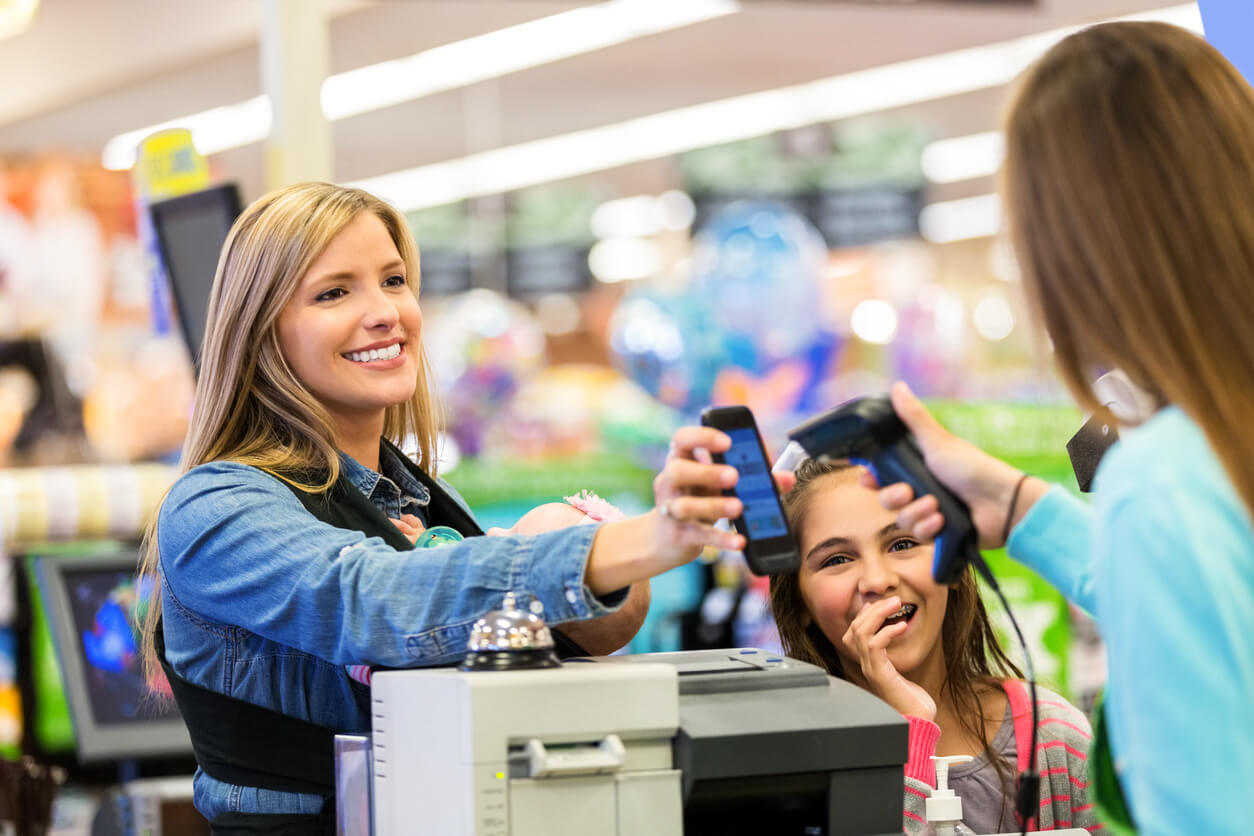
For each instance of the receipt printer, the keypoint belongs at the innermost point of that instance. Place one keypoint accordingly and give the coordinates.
(568, 751)
(735, 741)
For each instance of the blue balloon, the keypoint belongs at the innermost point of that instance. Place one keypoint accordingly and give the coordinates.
(667, 344)
(753, 304)
(756, 267)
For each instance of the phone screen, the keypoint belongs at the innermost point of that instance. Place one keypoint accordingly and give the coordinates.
(756, 490)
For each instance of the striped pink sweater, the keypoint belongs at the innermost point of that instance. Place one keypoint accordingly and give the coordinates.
(1062, 744)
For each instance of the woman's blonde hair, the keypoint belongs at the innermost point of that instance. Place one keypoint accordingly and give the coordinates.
(1129, 190)
(249, 406)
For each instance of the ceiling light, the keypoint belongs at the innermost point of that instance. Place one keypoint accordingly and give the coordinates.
(214, 130)
(633, 217)
(874, 321)
(16, 16)
(958, 220)
(558, 314)
(509, 50)
(678, 210)
(963, 157)
(992, 318)
(726, 120)
(441, 68)
(624, 259)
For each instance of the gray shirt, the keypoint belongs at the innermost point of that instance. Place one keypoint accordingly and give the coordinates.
(978, 784)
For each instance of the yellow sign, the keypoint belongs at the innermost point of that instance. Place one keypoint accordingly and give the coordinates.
(168, 165)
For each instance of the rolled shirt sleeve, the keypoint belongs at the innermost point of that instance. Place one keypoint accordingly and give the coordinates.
(237, 547)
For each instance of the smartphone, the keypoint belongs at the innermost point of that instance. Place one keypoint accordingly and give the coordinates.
(771, 548)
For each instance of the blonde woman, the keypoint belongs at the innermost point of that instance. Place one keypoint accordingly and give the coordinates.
(284, 549)
(1129, 190)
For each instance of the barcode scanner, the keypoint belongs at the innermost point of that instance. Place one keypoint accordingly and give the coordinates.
(868, 432)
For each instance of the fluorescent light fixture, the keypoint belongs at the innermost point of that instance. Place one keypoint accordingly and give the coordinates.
(16, 16)
(441, 68)
(963, 157)
(741, 117)
(220, 129)
(636, 217)
(510, 50)
(623, 259)
(643, 215)
(958, 220)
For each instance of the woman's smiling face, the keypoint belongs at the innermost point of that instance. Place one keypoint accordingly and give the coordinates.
(351, 331)
(853, 553)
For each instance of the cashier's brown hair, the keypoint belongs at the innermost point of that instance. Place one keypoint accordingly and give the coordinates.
(250, 407)
(1129, 191)
(974, 659)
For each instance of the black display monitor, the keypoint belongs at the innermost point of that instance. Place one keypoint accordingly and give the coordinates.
(190, 232)
(94, 604)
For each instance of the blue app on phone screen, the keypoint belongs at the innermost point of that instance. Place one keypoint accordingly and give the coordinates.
(756, 488)
(770, 547)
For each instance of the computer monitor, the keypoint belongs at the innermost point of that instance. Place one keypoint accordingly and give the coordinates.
(94, 604)
(190, 232)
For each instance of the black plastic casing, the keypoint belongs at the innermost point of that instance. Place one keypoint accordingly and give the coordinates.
(868, 432)
(765, 556)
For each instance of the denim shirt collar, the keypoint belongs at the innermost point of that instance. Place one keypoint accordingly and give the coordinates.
(392, 489)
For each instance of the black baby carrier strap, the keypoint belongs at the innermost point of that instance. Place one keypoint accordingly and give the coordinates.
(247, 745)
(346, 507)
(244, 744)
(343, 506)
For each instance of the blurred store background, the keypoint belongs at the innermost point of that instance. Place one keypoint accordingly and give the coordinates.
(626, 210)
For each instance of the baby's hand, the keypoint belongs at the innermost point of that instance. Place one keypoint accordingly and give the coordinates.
(410, 526)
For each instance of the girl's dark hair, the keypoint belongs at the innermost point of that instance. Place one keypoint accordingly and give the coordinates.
(974, 659)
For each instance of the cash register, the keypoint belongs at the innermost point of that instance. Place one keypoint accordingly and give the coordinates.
(733, 741)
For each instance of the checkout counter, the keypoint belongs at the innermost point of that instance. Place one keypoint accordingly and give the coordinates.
(726, 742)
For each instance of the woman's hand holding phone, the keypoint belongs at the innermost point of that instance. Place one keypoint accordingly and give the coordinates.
(689, 499)
(688, 494)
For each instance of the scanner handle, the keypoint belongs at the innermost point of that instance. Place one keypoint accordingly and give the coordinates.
(957, 544)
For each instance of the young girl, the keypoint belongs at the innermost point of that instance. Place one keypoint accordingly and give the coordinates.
(278, 550)
(864, 606)
(1129, 193)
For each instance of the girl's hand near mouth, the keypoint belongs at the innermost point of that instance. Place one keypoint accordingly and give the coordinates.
(869, 638)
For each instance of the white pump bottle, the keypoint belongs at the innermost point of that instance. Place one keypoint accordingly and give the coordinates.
(943, 807)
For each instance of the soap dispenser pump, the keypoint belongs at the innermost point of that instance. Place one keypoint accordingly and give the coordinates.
(944, 807)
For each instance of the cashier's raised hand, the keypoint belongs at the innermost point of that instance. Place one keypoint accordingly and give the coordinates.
(985, 483)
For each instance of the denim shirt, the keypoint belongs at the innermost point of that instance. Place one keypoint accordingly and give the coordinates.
(264, 602)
